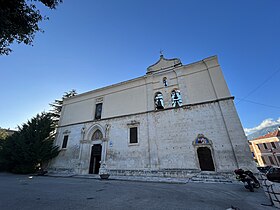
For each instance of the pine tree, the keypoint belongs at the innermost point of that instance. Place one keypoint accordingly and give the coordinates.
(57, 105)
(31, 146)
(3, 136)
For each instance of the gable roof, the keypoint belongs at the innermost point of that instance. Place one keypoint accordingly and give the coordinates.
(275, 133)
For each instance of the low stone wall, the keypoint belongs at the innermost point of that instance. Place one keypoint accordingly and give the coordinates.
(271, 189)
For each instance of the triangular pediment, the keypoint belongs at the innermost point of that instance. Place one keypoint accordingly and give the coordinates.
(163, 64)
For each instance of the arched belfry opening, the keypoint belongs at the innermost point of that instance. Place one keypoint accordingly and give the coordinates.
(176, 99)
(159, 101)
(204, 153)
(96, 152)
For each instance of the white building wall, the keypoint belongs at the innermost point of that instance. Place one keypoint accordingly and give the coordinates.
(165, 136)
(137, 95)
(125, 102)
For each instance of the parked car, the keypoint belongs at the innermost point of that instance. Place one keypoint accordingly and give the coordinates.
(273, 174)
(264, 169)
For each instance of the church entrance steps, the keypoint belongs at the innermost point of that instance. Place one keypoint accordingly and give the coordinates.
(213, 177)
(201, 177)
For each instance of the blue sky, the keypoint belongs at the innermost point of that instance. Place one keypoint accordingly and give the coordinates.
(97, 43)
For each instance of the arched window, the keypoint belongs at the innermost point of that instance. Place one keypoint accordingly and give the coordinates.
(97, 135)
(176, 98)
(164, 81)
(159, 101)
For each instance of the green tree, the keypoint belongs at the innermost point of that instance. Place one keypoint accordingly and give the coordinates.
(31, 146)
(3, 134)
(19, 21)
(57, 105)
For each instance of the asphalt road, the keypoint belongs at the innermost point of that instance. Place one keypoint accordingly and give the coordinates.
(19, 192)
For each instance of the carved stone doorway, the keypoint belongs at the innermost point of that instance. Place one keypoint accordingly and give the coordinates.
(95, 159)
(205, 159)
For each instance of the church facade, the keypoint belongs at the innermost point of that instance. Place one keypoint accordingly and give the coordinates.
(174, 121)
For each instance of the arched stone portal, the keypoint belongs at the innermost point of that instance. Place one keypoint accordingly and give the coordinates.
(96, 152)
(93, 149)
(204, 149)
(205, 159)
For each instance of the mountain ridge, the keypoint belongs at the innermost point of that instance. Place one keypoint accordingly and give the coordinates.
(263, 131)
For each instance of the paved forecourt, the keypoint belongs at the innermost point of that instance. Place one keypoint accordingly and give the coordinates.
(57, 193)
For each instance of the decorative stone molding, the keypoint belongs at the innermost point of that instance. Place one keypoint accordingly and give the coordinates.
(92, 129)
(85, 141)
(99, 100)
(163, 64)
(66, 132)
(83, 131)
(107, 129)
(202, 140)
(133, 123)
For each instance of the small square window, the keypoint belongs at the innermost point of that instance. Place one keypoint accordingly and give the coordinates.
(133, 136)
(273, 145)
(65, 140)
(264, 145)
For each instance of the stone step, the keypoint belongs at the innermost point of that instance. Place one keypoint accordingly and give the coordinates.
(211, 177)
(210, 180)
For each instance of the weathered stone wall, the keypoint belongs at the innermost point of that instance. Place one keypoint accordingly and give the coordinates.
(165, 141)
(68, 160)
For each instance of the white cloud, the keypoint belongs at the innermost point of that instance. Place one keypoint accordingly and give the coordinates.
(266, 123)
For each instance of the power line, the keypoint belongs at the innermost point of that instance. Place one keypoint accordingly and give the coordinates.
(253, 102)
(258, 87)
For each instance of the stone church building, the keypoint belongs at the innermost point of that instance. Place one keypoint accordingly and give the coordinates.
(173, 121)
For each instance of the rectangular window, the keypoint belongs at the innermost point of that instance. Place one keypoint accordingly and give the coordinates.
(273, 145)
(133, 137)
(264, 145)
(258, 146)
(263, 159)
(271, 160)
(98, 110)
(65, 140)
